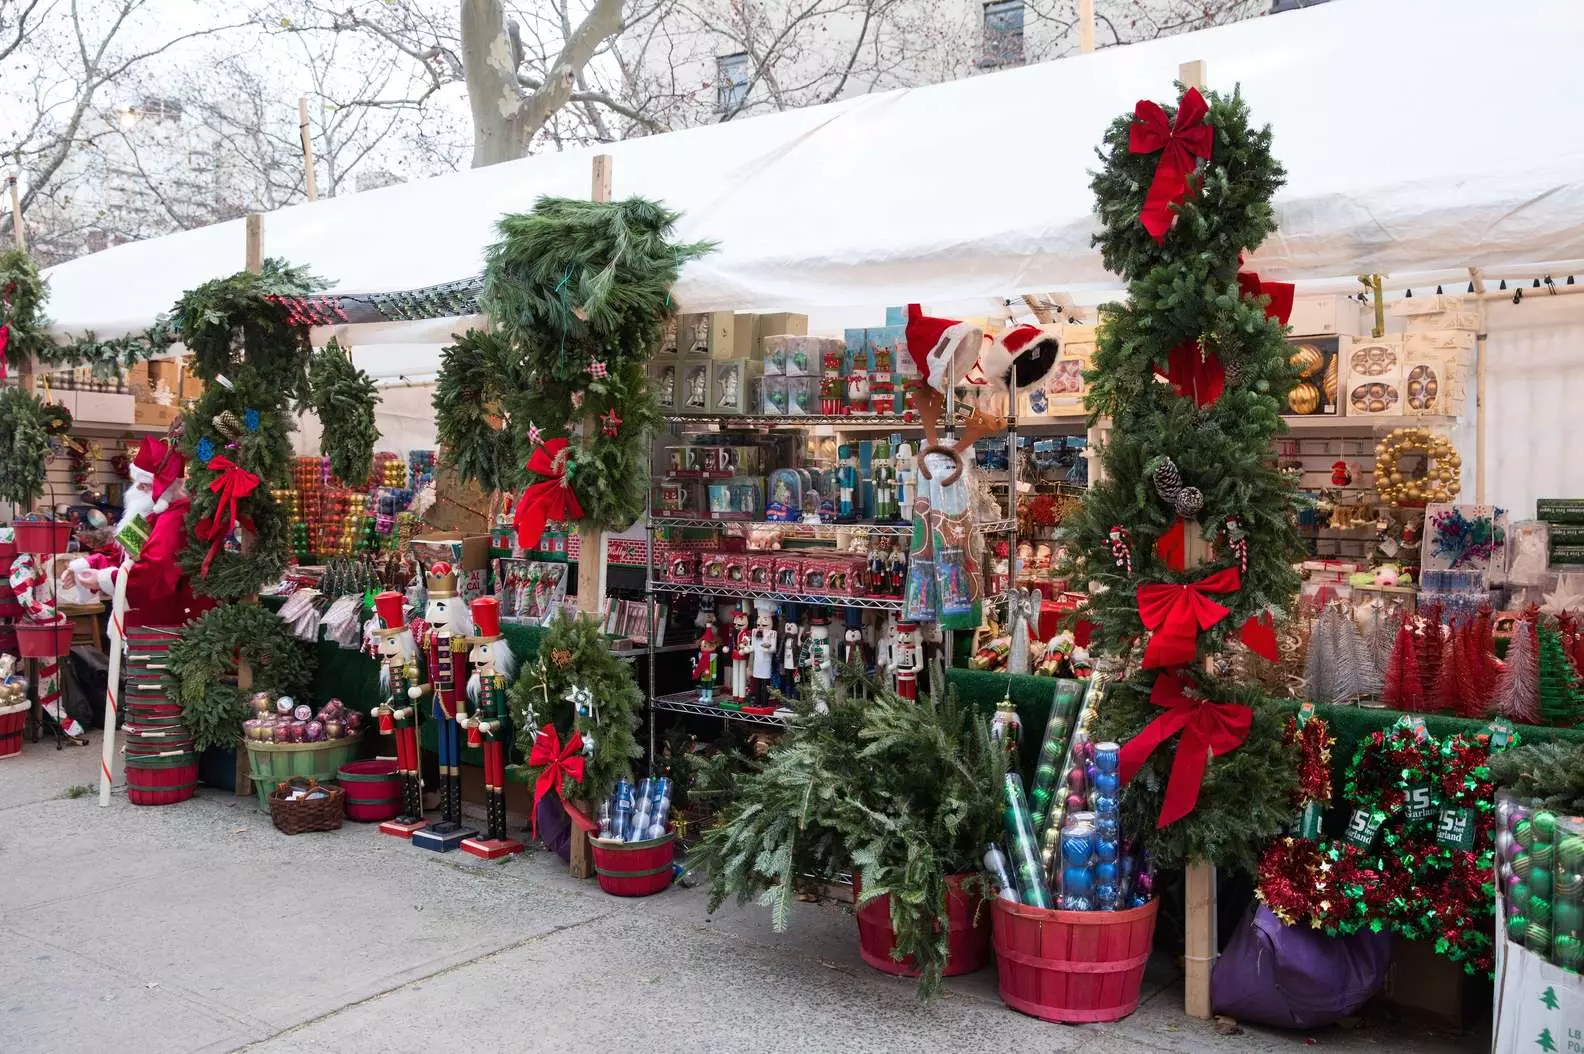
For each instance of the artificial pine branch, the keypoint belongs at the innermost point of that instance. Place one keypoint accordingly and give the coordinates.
(1550, 773)
(1560, 702)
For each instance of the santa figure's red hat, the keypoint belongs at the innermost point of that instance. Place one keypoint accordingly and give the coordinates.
(160, 467)
(388, 606)
(1026, 353)
(486, 620)
(944, 349)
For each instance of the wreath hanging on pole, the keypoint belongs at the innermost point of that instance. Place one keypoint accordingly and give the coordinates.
(344, 398)
(205, 656)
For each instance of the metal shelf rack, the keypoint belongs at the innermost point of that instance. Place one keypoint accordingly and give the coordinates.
(688, 703)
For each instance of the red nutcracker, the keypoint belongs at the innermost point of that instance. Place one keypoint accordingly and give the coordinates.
(398, 712)
(706, 669)
(446, 648)
(741, 652)
(831, 384)
(489, 725)
(907, 658)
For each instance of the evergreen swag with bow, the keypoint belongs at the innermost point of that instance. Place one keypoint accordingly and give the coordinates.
(577, 293)
(1181, 195)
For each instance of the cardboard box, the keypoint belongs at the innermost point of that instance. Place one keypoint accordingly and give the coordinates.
(103, 408)
(153, 414)
(729, 384)
(663, 375)
(694, 387)
(745, 336)
(1440, 341)
(1418, 306)
(1468, 320)
(1535, 1001)
(1373, 377)
(464, 552)
(1435, 383)
(137, 380)
(192, 387)
(780, 323)
(1063, 390)
(722, 335)
(773, 394)
(692, 335)
(1326, 316)
(1318, 362)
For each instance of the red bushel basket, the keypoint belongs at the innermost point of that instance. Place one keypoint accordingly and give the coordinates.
(1072, 966)
(12, 718)
(45, 537)
(967, 932)
(40, 641)
(161, 781)
(373, 790)
(634, 869)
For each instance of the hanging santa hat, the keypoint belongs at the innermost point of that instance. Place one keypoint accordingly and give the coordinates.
(942, 348)
(158, 466)
(1025, 353)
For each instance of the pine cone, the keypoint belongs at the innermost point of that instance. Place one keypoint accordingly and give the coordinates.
(1168, 481)
(1189, 503)
(228, 425)
(1234, 374)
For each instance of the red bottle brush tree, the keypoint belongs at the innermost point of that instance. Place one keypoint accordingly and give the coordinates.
(1404, 689)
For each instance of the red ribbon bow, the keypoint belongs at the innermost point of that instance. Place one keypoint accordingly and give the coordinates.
(233, 484)
(1281, 294)
(1177, 612)
(5, 338)
(549, 499)
(1208, 728)
(1181, 144)
(559, 764)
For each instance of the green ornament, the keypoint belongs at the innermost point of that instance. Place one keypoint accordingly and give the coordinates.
(1537, 938)
(1570, 853)
(1540, 912)
(1543, 854)
(1517, 926)
(1569, 952)
(1545, 826)
(1520, 894)
(1570, 885)
(1524, 833)
(1540, 883)
(1522, 864)
(1567, 916)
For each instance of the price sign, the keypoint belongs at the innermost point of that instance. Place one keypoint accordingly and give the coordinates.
(1362, 828)
(1455, 829)
(1501, 733)
(1309, 822)
(1421, 804)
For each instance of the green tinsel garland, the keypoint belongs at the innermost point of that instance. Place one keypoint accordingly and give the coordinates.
(343, 399)
(577, 293)
(1184, 291)
(575, 653)
(24, 437)
(206, 655)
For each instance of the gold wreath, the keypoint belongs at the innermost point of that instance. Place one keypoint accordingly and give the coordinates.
(1441, 483)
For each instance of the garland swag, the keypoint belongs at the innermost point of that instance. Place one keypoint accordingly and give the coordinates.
(1190, 457)
(577, 293)
(205, 655)
(23, 293)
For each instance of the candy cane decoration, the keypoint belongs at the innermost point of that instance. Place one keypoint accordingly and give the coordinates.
(118, 606)
(29, 583)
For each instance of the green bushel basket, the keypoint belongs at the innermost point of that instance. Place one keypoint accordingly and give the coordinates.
(272, 763)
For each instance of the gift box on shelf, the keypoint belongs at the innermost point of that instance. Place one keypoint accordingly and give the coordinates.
(1062, 390)
(680, 567)
(803, 396)
(663, 379)
(1373, 377)
(760, 570)
(1317, 363)
(772, 391)
(1326, 316)
(693, 393)
(1435, 380)
(770, 329)
(729, 385)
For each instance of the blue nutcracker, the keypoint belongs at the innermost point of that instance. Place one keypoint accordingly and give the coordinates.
(848, 496)
(446, 646)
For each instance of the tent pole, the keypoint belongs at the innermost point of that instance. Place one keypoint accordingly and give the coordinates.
(307, 147)
(1086, 26)
(1478, 280)
(16, 212)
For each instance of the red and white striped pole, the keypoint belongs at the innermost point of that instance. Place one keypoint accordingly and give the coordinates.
(107, 757)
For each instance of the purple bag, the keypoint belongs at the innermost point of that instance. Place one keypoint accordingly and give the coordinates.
(1296, 977)
(555, 826)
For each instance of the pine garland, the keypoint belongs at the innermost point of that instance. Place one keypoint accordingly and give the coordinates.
(575, 653)
(24, 437)
(343, 399)
(205, 657)
(1184, 292)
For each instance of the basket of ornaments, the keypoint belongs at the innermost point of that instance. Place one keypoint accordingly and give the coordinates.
(287, 739)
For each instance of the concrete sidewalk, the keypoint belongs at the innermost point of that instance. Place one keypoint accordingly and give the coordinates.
(199, 927)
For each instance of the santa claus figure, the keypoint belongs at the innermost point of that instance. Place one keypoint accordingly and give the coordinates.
(446, 647)
(158, 593)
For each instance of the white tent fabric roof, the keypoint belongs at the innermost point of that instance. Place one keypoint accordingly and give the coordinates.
(1418, 135)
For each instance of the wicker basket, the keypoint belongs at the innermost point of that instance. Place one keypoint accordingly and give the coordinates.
(269, 763)
(305, 814)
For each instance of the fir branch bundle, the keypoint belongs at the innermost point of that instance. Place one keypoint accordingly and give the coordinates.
(343, 399)
(1550, 773)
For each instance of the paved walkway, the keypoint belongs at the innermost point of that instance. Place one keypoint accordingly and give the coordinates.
(199, 927)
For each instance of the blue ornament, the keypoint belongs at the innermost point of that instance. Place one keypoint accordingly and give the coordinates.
(1106, 850)
(1077, 904)
(1108, 757)
(1038, 402)
(1107, 783)
(251, 419)
(206, 450)
(1105, 805)
(1076, 882)
(1076, 848)
(1107, 826)
(1105, 875)
(1106, 896)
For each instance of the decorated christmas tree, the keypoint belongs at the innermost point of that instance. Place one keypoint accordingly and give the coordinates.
(1403, 690)
(1560, 702)
(1518, 691)
(1187, 534)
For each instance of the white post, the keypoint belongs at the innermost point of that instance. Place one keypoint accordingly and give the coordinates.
(1086, 26)
(110, 762)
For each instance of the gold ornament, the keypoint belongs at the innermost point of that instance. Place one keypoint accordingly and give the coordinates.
(1303, 399)
(1441, 479)
(1330, 384)
(1308, 360)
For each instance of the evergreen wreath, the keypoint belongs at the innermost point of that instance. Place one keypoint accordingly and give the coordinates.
(238, 329)
(23, 292)
(24, 436)
(1184, 297)
(204, 659)
(344, 398)
(578, 294)
(575, 653)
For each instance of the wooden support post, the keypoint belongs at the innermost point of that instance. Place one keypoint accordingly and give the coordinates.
(1199, 937)
(254, 228)
(591, 561)
(307, 147)
(16, 213)
(1478, 280)
(1086, 26)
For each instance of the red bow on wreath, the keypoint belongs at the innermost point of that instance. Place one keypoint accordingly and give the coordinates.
(1181, 144)
(1175, 613)
(550, 498)
(560, 763)
(233, 484)
(1281, 294)
(1207, 727)
(5, 338)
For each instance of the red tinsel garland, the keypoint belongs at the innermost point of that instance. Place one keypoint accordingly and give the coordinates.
(1314, 742)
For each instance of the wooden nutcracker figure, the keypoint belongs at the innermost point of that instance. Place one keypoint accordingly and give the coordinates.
(906, 466)
(446, 648)
(886, 509)
(896, 571)
(705, 670)
(741, 651)
(489, 724)
(790, 656)
(854, 649)
(397, 713)
(818, 664)
(849, 498)
(764, 656)
(907, 658)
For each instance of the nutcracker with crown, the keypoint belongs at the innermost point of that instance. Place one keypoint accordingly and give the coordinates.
(489, 726)
(446, 649)
(397, 712)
